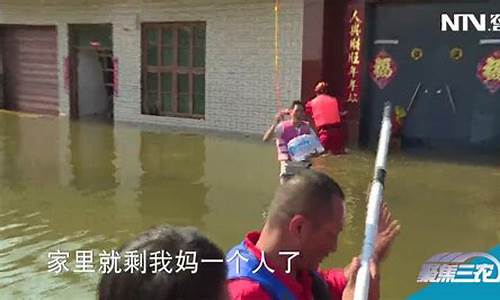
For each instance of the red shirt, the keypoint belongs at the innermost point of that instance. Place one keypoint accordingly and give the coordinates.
(301, 287)
(324, 110)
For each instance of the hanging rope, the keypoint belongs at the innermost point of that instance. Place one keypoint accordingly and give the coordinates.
(277, 74)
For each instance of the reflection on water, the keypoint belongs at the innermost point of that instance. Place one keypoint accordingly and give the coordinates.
(91, 186)
(93, 155)
(171, 186)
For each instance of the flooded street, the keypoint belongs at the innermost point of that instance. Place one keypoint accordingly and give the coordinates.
(91, 186)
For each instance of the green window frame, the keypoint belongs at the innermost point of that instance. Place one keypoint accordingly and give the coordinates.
(173, 69)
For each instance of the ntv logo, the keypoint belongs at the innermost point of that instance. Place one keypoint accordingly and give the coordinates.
(463, 22)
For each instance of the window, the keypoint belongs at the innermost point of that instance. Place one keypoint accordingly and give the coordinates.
(173, 72)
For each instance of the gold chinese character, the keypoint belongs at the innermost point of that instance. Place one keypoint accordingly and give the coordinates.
(491, 69)
(382, 67)
(353, 97)
(355, 30)
(354, 17)
(354, 57)
(352, 85)
(355, 43)
(353, 71)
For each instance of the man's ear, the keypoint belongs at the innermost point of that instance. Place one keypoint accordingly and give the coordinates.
(296, 226)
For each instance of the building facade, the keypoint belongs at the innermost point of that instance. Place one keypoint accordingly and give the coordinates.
(222, 76)
(229, 65)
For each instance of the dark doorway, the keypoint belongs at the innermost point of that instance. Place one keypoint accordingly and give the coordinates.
(92, 71)
(452, 109)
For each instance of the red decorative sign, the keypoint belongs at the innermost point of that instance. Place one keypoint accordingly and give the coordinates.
(355, 30)
(115, 76)
(383, 69)
(488, 71)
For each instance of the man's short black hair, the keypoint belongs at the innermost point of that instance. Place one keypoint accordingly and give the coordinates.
(309, 193)
(207, 283)
(297, 102)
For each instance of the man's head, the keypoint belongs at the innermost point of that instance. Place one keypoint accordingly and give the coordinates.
(321, 88)
(308, 210)
(207, 283)
(297, 110)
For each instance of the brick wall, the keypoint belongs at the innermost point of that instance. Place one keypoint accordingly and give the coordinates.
(239, 53)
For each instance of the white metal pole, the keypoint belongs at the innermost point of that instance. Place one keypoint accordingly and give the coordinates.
(373, 209)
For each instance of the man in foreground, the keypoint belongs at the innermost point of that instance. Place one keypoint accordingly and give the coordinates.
(305, 217)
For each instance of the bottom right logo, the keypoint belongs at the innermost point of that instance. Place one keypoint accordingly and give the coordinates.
(457, 267)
